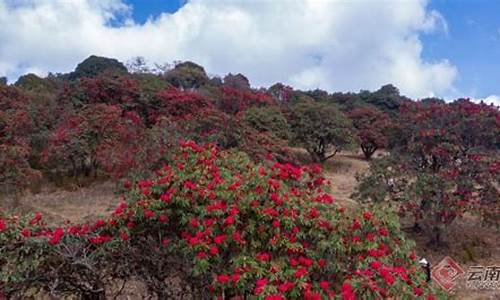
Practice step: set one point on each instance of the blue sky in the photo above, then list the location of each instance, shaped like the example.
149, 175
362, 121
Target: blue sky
143, 9
472, 43
444, 48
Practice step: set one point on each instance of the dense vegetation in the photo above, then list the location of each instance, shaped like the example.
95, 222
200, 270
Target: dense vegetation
231, 212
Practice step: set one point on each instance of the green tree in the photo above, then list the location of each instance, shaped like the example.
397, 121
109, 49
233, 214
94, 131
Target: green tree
95, 65
238, 81
321, 129
268, 119
187, 75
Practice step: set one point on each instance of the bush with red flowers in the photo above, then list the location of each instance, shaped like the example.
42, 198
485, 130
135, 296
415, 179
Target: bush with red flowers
445, 165
216, 224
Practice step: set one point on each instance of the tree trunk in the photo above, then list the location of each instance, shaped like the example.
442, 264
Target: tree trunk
368, 150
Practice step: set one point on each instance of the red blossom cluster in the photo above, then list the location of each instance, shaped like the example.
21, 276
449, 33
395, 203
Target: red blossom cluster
246, 229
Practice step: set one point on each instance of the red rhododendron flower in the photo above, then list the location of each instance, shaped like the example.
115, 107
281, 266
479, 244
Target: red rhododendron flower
347, 292
306, 262
194, 222
300, 272
386, 273
214, 250
276, 223
285, 286
309, 295
263, 256
163, 218
223, 278
166, 197
321, 262
124, 236
219, 239
100, 239
235, 277
383, 231
324, 285
229, 220
26, 232
36, 218
3, 225
375, 265
99, 223
148, 213
56, 236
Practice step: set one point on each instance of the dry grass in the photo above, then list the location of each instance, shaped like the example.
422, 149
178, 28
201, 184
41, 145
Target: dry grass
340, 171
79, 205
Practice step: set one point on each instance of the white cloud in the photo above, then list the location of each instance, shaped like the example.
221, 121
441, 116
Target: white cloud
334, 45
492, 99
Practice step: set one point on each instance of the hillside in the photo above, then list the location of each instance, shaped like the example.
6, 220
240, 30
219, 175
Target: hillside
178, 182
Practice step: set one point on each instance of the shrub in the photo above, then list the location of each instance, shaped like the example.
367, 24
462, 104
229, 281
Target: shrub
232, 101
221, 226
445, 165
99, 137
16, 126
268, 119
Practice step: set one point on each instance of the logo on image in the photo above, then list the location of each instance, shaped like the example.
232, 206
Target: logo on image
447, 273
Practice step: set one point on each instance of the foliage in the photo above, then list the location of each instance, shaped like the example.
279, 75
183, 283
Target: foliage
445, 165
387, 98
187, 75
102, 89
238, 81
321, 129
33, 83
99, 136
222, 226
16, 125
179, 104
372, 126
268, 119
233, 101
94, 65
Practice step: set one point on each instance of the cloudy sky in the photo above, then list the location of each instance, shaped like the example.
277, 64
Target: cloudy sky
442, 48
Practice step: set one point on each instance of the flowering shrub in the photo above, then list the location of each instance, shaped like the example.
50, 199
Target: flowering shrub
444, 166
231, 100
104, 88
98, 137
16, 124
223, 226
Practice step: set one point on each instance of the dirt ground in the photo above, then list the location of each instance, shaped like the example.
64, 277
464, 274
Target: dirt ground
76, 205
472, 245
